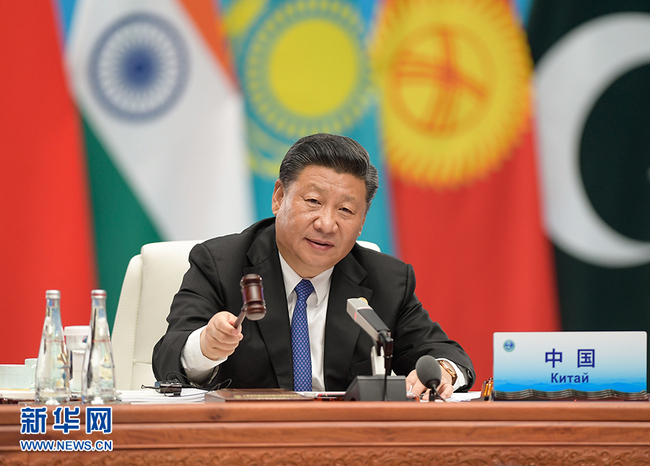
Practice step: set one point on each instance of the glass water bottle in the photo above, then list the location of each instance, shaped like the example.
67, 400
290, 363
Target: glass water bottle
98, 383
52, 383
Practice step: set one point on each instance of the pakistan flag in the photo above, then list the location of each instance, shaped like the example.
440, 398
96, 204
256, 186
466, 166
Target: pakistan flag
592, 73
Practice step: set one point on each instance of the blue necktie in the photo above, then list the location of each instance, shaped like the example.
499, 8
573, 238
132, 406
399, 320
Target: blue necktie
300, 339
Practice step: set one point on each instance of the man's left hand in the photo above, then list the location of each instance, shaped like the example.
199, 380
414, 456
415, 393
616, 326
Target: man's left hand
445, 389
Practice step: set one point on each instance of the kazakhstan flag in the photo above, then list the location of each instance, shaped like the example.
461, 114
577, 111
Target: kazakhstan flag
304, 68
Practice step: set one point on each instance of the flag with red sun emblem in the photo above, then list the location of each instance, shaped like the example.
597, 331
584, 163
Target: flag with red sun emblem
454, 79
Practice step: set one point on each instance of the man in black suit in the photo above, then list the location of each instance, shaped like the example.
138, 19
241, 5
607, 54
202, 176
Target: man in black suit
320, 201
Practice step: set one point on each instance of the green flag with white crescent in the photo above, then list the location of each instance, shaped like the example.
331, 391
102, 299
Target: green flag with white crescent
592, 69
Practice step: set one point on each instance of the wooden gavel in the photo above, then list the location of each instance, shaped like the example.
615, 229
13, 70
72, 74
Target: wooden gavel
252, 293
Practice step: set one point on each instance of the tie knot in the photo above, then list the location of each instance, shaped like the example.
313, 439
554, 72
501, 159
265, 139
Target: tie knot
304, 289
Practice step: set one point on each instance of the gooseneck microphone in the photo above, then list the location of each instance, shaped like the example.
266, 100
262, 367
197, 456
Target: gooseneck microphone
368, 320
429, 372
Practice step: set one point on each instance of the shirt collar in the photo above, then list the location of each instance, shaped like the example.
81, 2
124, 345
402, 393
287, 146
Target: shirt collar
321, 281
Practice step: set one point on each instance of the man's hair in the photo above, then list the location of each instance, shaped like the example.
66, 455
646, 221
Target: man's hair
340, 153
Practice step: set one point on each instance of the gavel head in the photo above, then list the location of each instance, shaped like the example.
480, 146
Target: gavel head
253, 295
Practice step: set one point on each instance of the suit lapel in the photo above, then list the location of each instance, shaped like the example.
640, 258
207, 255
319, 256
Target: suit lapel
274, 327
341, 333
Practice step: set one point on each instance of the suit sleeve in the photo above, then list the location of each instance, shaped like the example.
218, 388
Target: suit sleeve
416, 335
199, 298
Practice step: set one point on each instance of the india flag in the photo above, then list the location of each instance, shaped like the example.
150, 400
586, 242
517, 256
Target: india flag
163, 123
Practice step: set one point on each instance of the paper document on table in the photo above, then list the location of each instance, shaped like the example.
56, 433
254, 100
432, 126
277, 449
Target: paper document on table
188, 395
458, 397
16, 395
468, 396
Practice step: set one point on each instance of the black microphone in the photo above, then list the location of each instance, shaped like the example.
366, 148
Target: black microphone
429, 372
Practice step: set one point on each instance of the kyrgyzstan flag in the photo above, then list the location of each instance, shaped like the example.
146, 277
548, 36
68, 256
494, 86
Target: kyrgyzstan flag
45, 214
456, 113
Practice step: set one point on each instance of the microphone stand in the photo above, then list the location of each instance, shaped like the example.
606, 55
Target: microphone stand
386, 342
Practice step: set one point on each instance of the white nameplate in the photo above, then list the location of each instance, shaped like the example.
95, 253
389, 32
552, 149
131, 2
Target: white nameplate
584, 361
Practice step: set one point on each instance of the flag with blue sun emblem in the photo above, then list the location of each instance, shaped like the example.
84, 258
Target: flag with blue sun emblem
304, 68
164, 126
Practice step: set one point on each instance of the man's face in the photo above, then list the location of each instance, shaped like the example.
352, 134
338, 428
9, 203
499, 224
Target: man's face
319, 216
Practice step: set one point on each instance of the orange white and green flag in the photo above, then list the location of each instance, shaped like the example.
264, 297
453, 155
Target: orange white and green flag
163, 122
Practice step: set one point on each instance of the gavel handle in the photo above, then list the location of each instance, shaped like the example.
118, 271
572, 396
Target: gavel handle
240, 319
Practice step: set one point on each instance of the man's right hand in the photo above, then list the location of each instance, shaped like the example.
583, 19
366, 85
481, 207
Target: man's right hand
220, 338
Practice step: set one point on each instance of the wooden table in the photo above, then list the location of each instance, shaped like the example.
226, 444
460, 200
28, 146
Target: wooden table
342, 433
